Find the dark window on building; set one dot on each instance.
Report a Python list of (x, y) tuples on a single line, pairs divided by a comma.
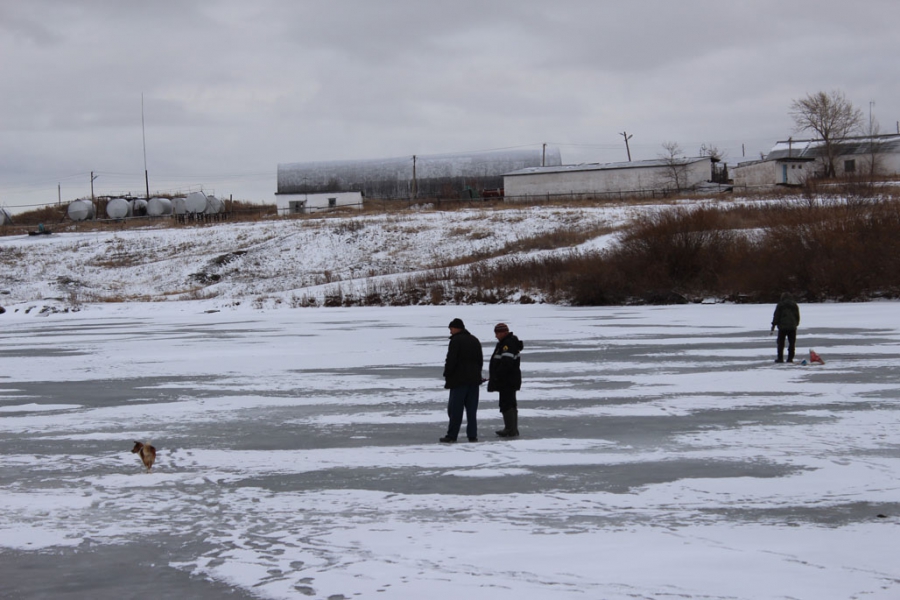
[(332, 202), (849, 166)]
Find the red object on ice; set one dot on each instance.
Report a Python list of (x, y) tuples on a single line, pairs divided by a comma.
[(815, 358)]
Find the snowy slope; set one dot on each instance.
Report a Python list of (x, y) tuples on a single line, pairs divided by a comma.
[(265, 261)]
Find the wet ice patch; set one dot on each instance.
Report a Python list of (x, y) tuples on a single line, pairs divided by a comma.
[(32, 407)]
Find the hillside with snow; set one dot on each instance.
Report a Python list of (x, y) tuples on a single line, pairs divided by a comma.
[(274, 262)]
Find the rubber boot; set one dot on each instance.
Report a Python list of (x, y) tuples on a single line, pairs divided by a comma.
[(505, 431), (512, 428)]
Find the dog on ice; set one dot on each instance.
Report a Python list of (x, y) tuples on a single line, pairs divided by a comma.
[(146, 452)]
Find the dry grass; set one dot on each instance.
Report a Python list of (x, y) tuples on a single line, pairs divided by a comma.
[(836, 249)]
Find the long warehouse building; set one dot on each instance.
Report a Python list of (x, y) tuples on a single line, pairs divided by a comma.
[(426, 176)]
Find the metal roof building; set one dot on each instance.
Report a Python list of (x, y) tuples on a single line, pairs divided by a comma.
[(639, 177), (853, 146), (426, 176), (876, 154)]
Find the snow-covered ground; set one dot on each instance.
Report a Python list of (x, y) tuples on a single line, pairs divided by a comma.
[(270, 262), (663, 455)]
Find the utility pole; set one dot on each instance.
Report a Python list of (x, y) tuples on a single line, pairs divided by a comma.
[(415, 190), (144, 139), (59, 194), (544, 156), (627, 137), (96, 208)]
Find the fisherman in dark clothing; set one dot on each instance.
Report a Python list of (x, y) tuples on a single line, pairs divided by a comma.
[(505, 377), (462, 376), (786, 319)]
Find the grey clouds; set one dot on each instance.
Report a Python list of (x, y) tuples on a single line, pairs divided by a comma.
[(231, 89)]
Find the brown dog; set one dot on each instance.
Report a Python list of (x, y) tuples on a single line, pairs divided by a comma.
[(146, 452)]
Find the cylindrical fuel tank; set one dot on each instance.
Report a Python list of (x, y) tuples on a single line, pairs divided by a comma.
[(178, 206), (158, 207), (118, 208), (80, 210), (214, 205), (195, 202), (139, 207)]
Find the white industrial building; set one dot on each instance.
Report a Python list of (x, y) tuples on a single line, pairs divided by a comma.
[(637, 178), (292, 204), (792, 162)]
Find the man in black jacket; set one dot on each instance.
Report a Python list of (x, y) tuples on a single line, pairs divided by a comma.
[(506, 377), (786, 319), (462, 376)]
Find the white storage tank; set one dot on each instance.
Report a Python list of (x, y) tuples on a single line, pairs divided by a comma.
[(195, 203), (179, 207), (80, 210), (214, 206), (139, 207), (158, 207), (118, 208)]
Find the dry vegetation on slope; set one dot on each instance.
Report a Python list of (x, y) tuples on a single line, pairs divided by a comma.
[(843, 246)]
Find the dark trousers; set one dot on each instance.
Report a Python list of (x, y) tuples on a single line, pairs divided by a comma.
[(507, 400), (791, 335), (463, 398)]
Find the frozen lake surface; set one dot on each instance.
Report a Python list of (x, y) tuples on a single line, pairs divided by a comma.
[(663, 455)]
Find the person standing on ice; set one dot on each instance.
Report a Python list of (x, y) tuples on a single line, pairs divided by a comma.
[(786, 319), (462, 376), (505, 377)]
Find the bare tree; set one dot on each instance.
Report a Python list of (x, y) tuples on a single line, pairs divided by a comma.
[(718, 169), (712, 151), (832, 117), (875, 149), (676, 169)]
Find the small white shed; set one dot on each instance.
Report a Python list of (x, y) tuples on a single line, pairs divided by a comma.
[(767, 173), (293, 204)]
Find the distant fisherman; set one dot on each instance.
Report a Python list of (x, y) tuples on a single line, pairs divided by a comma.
[(786, 319), (505, 377)]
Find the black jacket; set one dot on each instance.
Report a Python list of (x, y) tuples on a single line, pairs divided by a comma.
[(505, 373), (787, 313), (464, 360)]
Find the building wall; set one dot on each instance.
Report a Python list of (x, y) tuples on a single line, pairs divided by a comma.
[(768, 173), (886, 164), (445, 175), (755, 174), (288, 204), (884, 150), (605, 181)]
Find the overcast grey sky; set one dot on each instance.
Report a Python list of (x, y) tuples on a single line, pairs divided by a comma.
[(231, 88)]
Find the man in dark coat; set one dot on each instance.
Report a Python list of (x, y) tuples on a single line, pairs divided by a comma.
[(505, 377), (462, 376), (786, 319)]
